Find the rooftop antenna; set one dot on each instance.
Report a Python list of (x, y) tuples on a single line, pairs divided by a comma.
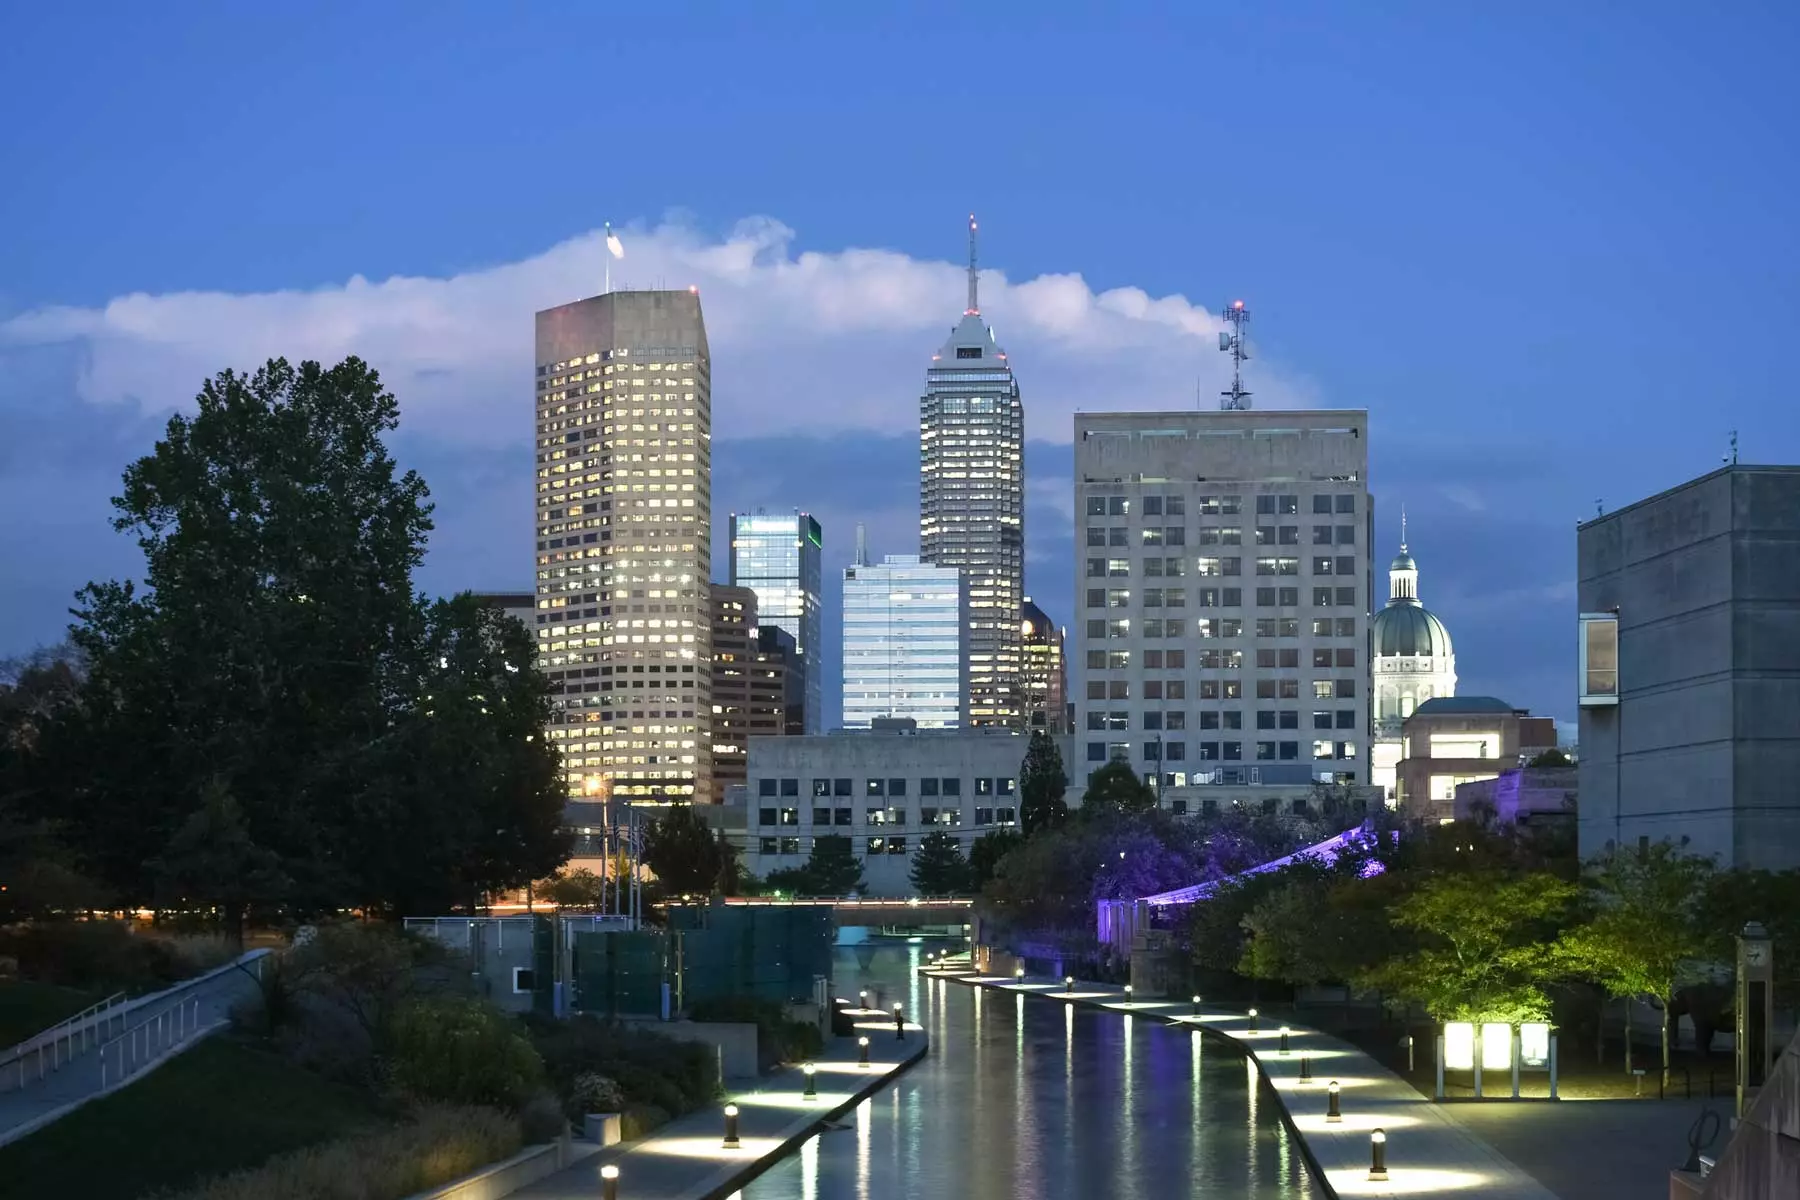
[(974, 303), (1734, 448), (862, 545), (1403, 529), (1237, 399)]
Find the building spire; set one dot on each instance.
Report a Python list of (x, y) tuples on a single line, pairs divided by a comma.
[(974, 300), (1403, 528)]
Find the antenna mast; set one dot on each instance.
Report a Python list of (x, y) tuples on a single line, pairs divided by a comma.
[(1237, 399), (974, 302)]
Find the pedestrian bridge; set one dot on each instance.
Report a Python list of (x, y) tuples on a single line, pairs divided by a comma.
[(884, 913)]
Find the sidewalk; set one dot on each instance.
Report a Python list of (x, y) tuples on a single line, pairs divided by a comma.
[(1427, 1151), (686, 1159), (205, 1003)]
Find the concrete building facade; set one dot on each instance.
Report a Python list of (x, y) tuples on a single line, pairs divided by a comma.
[(750, 687), (779, 557), (624, 520), (1222, 572), (1453, 740), (906, 644), (1690, 669), (885, 789), (1521, 795), (972, 501)]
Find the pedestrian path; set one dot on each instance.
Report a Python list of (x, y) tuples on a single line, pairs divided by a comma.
[(687, 1158), (1427, 1152), (102, 1054)]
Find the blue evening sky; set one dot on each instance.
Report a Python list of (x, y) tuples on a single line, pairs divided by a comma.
[(1555, 240)]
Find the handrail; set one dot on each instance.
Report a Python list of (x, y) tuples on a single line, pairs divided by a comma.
[(143, 1045), (49, 1050), (47, 1034)]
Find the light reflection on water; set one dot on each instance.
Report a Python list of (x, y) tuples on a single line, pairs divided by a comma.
[(1030, 1101)]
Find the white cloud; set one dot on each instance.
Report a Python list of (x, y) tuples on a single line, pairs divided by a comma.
[(829, 342)]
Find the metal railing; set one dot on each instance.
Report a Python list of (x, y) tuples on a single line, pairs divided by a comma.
[(49, 1050), (148, 1042)]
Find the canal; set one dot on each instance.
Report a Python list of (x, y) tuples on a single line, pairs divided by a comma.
[(1039, 1101)]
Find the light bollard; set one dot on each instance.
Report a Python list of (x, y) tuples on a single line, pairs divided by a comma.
[(862, 1047), (609, 1182), (1068, 983), (1305, 1069), (1196, 1006), (1378, 1155), (862, 999), (1128, 993), (812, 1084), (899, 1023), (731, 1127), (1253, 1025), (1332, 1113), (1019, 973), (1284, 1039)]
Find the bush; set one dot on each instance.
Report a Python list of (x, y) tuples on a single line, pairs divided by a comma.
[(595, 1093), (455, 1050), (437, 1145), (639, 1119), (778, 1039), (649, 1069), (541, 1119), (102, 955)]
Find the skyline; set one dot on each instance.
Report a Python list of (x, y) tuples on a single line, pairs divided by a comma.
[(1414, 213)]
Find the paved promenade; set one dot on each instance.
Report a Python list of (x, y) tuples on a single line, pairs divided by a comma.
[(1428, 1152), (687, 1160)]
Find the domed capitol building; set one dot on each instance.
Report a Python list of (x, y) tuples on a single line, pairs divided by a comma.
[(1411, 661)]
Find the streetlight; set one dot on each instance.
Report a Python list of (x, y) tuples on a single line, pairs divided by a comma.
[(731, 1127)]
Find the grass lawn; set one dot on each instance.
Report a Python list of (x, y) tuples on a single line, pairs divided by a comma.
[(221, 1106), (26, 1007)]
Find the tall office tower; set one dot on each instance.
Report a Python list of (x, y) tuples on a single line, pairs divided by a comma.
[(1224, 586), (1046, 684), (749, 682), (778, 557), (906, 642), (972, 500), (624, 519)]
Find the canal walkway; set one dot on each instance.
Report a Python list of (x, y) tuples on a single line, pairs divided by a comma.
[(687, 1159), (1428, 1152)]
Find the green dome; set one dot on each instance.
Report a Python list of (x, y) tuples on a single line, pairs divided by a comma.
[(1403, 562), (1405, 628)]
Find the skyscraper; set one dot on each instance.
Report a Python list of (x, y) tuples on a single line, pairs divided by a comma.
[(972, 500), (906, 640), (749, 682), (1045, 682), (778, 557), (1224, 587), (624, 518)]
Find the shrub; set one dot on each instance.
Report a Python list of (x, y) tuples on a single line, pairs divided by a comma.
[(639, 1119), (455, 1050), (595, 1093), (437, 1145), (541, 1119), (648, 1068), (778, 1039), (100, 955)]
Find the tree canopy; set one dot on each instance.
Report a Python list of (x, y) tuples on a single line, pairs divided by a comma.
[(1116, 788), (938, 866), (686, 855), (1042, 782)]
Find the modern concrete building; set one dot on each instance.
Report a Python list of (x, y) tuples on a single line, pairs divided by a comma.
[(885, 789), (624, 518), (1411, 662), (1690, 669), (520, 606), (1452, 740), (972, 501), (906, 639), (750, 685), (1046, 683), (1223, 572), (1521, 795), (778, 556)]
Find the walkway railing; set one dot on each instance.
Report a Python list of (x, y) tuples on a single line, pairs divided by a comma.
[(49, 1050), (148, 1042)]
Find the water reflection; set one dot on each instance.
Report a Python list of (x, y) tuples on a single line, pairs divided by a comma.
[(1029, 1101)]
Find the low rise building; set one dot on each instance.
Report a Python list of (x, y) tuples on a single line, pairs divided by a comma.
[(1520, 795), (884, 788), (1453, 740)]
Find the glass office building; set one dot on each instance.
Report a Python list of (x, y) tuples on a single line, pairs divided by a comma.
[(906, 633), (778, 558)]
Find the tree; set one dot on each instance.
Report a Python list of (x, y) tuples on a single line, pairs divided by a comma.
[(211, 860), (790, 881), (685, 853), (939, 868), (1487, 946), (1740, 895), (1042, 782), (832, 867), (1317, 924), (1644, 938), (986, 853), (580, 888), (378, 750), (1551, 758), (1116, 788)]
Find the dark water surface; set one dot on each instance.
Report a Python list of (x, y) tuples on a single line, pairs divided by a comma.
[(1040, 1101)]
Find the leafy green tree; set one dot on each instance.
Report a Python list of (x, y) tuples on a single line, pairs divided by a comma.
[(1317, 924), (212, 861), (685, 853), (1487, 946), (40, 696), (1042, 782), (1116, 788), (986, 853), (1645, 938), (791, 881), (939, 868), (833, 867), (1739, 895), (580, 888), (1551, 758)]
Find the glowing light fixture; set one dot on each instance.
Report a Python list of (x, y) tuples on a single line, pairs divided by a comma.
[(1534, 1044), (862, 1046), (1459, 1046), (1496, 1046), (609, 1182), (1378, 1156), (731, 1127), (812, 1083), (1332, 1112)]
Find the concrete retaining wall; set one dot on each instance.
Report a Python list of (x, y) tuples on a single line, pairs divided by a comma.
[(509, 1175), (735, 1041)]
